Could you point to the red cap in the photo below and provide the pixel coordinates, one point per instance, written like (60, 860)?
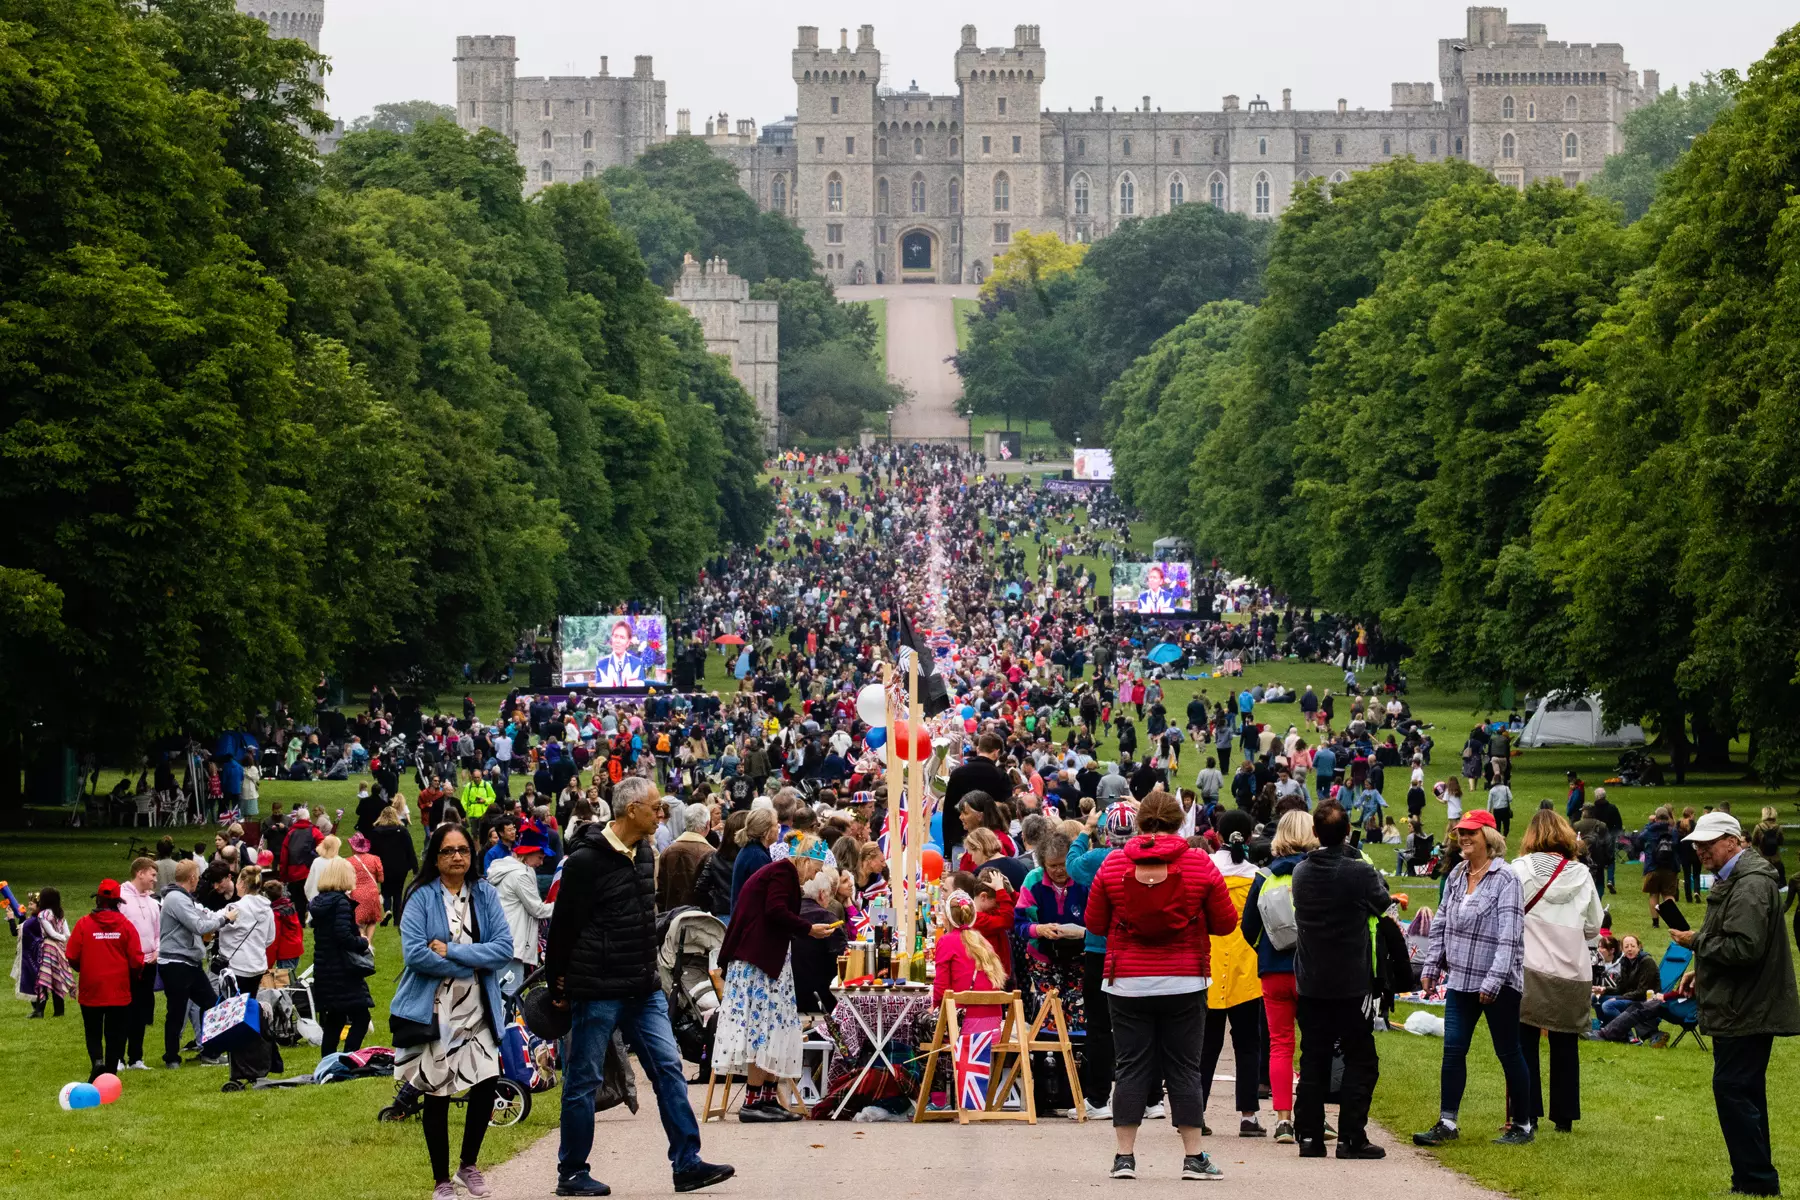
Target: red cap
(109, 890)
(1481, 818)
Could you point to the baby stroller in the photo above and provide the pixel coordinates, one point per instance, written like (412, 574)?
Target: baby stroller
(691, 938)
(527, 1065)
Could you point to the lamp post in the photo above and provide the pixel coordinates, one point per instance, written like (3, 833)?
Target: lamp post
(890, 426)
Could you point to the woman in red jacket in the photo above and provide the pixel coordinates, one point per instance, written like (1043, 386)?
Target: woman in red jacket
(1158, 904)
(104, 950)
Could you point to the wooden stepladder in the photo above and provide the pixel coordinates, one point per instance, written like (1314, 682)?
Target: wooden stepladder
(1009, 1053)
(1051, 1010)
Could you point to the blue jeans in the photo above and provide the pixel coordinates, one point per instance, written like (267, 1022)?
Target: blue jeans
(1461, 1011)
(645, 1022)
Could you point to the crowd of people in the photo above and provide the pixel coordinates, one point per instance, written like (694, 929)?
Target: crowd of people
(1168, 906)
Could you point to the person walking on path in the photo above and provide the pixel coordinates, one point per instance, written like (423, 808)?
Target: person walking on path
(1743, 986)
(600, 961)
(1294, 840)
(1563, 915)
(1478, 948)
(1158, 903)
(1337, 897)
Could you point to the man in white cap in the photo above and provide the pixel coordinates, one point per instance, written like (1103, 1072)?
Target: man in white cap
(1744, 990)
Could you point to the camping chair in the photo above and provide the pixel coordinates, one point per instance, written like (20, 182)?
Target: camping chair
(1676, 961)
(1008, 1042)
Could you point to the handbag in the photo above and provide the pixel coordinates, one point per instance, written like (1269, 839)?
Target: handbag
(404, 1032)
(1558, 990)
(361, 961)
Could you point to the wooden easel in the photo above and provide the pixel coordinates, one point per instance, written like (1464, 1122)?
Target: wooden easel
(1009, 1040)
(1052, 1010)
(723, 1085)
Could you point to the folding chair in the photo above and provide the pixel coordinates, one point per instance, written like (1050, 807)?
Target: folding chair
(1676, 961)
(1009, 1043)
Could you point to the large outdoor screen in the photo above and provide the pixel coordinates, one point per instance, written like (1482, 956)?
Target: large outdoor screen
(1095, 466)
(1153, 587)
(614, 651)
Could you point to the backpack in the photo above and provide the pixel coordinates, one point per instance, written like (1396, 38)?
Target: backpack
(1143, 908)
(1662, 853)
(1275, 904)
(662, 743)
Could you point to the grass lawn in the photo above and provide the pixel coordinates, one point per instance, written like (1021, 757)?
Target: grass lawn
(965, 309)
(1035, 435)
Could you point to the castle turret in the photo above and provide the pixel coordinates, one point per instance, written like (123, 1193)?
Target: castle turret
(834, 136)
(1002, 143)
(485, 66)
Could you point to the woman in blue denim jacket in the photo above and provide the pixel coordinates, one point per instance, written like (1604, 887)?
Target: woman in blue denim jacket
(453, 938)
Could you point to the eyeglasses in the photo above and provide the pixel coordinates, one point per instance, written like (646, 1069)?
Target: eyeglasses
(453, 852)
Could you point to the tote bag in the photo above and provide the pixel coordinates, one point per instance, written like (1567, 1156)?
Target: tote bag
(1558, 972)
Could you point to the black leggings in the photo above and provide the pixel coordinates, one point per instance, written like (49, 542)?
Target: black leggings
(333, 1020)
(1246, 1048)
(393, 899)
(107, 1026)
(436, 1119)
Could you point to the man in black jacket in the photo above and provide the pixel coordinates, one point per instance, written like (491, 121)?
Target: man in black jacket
(981, 773)
(601, 965)
(1336, 894)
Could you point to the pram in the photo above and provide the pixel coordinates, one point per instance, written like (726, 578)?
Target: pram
(527, 1065)
(690, 941)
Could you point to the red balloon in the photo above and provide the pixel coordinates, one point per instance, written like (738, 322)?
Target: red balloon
(912, 742)
(109, 1087)
(933, 864)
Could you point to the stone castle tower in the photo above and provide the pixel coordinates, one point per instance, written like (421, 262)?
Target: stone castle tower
(565, 127)
(743, 330)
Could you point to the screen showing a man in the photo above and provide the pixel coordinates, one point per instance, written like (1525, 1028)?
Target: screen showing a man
(1153, 588)
(620, 668)
(1156, 596)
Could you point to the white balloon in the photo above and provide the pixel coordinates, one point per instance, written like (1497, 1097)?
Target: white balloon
(871, 704)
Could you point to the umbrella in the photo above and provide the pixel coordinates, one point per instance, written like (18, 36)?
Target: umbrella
(1168, 652)
(730, 639)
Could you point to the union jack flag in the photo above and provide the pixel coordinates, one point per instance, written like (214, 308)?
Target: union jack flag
(974, 1061)
(883, 839)
(858, 921)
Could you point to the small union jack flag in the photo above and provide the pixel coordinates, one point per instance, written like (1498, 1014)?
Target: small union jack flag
(858, 921)
(974, 1060)
(883, 839)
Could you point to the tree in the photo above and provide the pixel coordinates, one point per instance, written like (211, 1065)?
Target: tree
(811, 315)
(829, 391)
(666, 233)
(1659, 133)
(1031, 261)
(402, 116)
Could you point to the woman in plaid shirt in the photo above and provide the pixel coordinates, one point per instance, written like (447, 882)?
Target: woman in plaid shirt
(1478, 949)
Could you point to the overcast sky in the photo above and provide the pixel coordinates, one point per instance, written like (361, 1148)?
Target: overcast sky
(735, 56)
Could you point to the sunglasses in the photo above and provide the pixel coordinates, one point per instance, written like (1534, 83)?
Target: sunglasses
(453, 852)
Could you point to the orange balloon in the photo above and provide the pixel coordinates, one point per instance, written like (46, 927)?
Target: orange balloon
(933, 864)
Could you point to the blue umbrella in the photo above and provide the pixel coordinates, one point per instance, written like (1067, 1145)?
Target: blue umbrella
(1168, 652)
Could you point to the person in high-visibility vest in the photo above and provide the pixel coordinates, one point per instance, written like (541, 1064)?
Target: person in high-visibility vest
(477, 796)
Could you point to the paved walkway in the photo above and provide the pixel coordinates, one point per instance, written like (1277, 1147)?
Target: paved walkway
(921, 336)
(1055, 1158)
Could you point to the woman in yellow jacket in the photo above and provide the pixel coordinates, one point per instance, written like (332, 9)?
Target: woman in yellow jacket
(1235, 997)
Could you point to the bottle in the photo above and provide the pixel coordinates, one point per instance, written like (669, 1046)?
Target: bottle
(884, 951)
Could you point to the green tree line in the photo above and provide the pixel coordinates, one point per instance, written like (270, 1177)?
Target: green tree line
(1541, 446)
(263, 419)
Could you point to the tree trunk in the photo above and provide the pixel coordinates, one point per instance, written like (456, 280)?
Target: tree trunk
(12, 777)
(1712, 745)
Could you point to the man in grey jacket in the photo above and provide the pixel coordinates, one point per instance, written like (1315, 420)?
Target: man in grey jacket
(181, 953)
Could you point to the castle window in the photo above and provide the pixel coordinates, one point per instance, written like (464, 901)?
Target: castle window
(1531, 110)
(1002, 193)
(1002, 106)
(1002, 232)
(834, 235)
(918, 193)
(1177, 191)
(881, 234)
(987, 144)
(955, 235)
(881, 147)
(819, 144)
(1127, 147)
(1337, 147)
(1571, 147)
(1387, 145)
(778, 193)
(1127, 196)
(1571, 108)
(1081, 195)
(1456, 146)
(1305, 146)
(834, 106)
(1433, 144)
(918, 147)
(546, 172)
(1018, 144)
(834, 192)
(587, 170)
(1177, 148)
(587, 108)
(1218, 147)
(1262, 194)
(849, 145)
(1262, 146)
(1080, 147)
(1506, 109)
(1508, 147)
(547, 139)
(546, 108)
(587, 140)
(1215, 191)
(956, 195)
(953, 145)
(881, 196)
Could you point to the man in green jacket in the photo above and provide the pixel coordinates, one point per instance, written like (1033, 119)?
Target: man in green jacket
(1744, 991)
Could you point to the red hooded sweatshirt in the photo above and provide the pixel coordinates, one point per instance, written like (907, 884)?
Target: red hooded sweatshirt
(104, 949)
(1185, 918)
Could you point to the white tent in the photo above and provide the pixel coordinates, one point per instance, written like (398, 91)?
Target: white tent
(1575, 721)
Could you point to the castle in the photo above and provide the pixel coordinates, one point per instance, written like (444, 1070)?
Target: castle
(895, 186)
(745, 331)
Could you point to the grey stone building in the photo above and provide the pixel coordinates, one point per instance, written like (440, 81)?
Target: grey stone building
(745, 331)
(899, 185)
(566, 127)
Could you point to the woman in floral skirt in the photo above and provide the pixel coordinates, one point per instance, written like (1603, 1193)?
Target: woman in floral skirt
(759, 1023)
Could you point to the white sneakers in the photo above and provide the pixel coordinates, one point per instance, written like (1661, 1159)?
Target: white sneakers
(1095, 1112)
(1156, 1112)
